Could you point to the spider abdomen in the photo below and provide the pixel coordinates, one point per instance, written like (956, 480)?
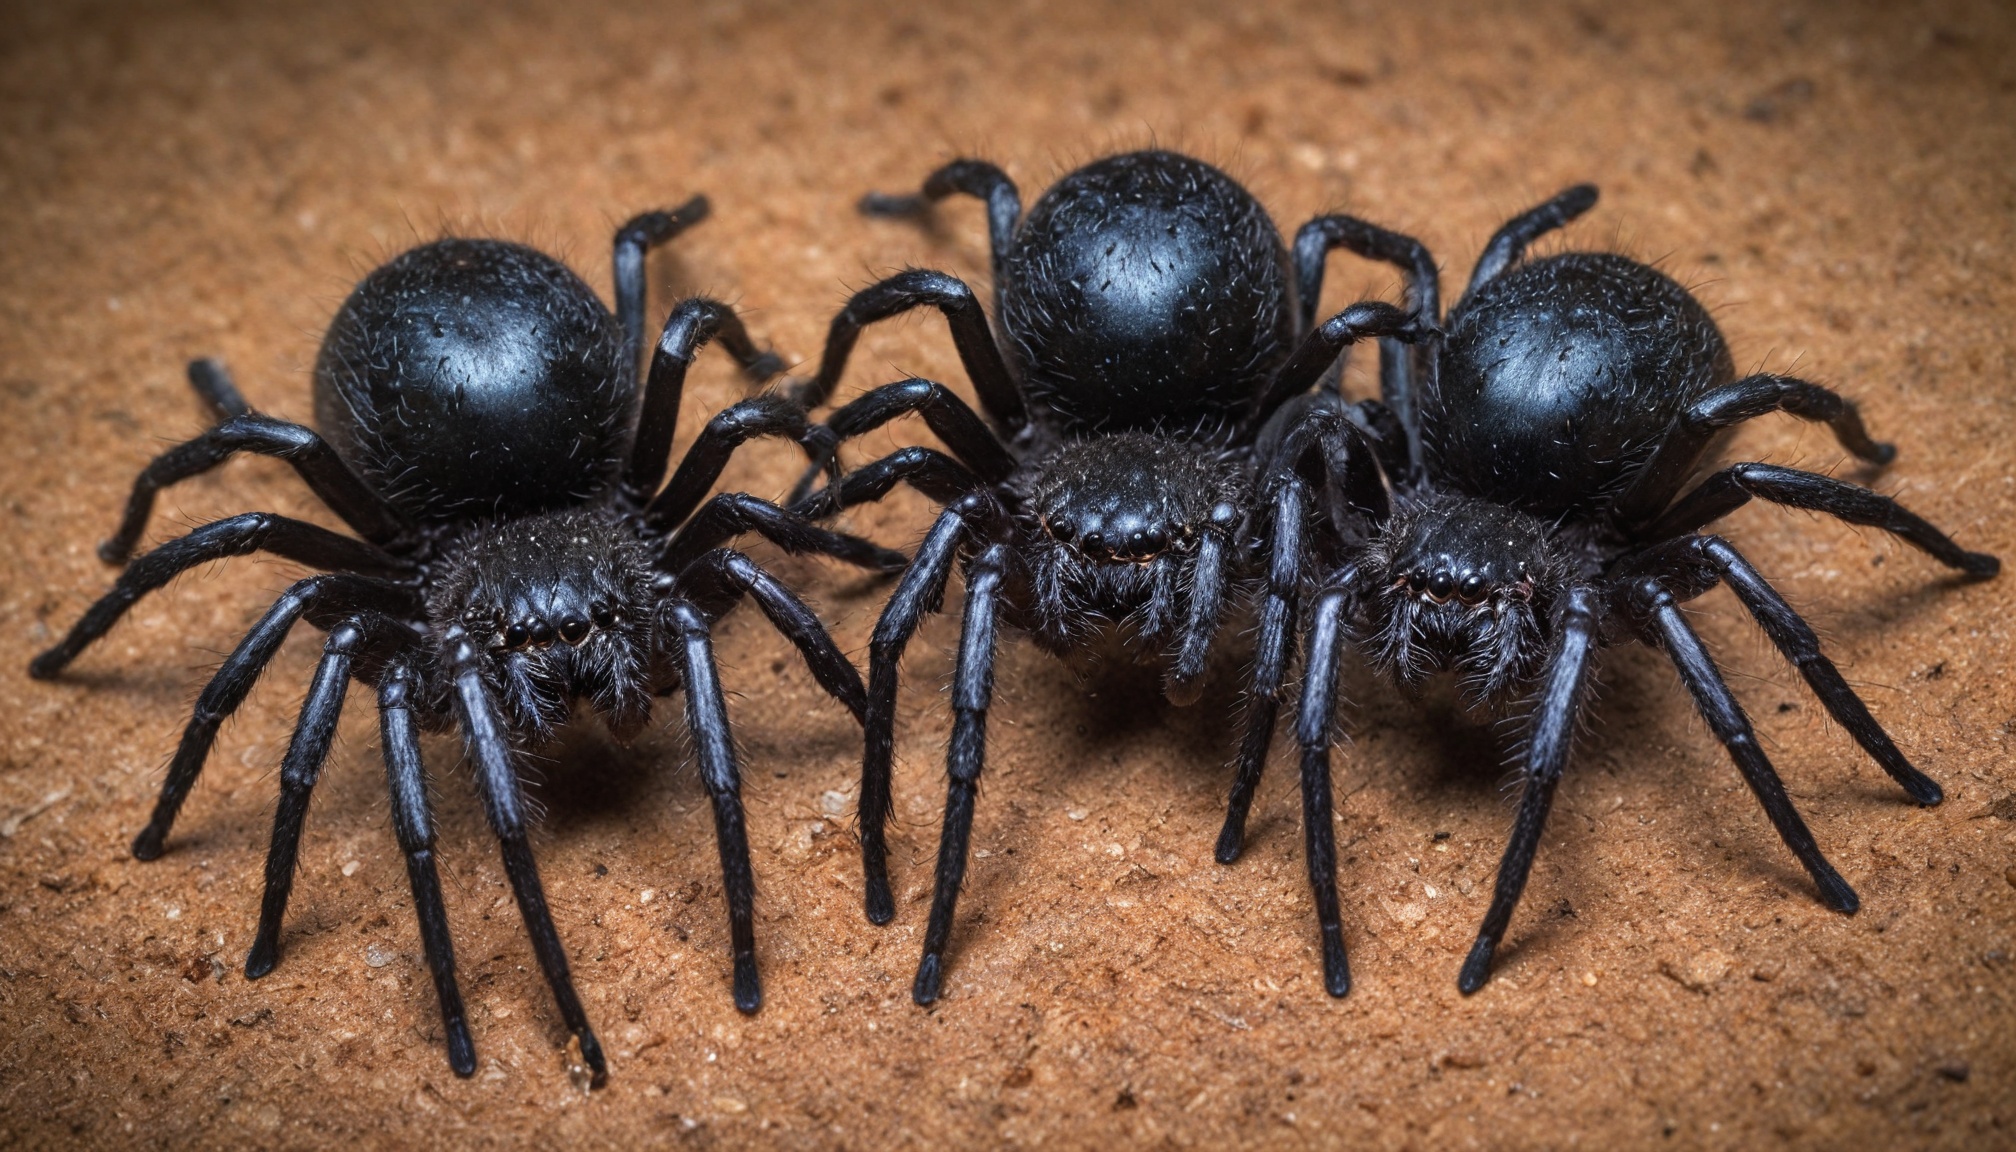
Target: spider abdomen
(471, 377)
(1560, 376)
(1147, 290)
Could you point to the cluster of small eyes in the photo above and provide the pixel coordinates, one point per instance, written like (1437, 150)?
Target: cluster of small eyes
(1142, 544)
(538, 632)
(1441, 585)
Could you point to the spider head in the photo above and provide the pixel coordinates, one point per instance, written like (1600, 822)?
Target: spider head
(1463, 586)
(561, 606)
(1119, 518)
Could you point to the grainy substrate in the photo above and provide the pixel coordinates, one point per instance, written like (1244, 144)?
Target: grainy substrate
(209, 179)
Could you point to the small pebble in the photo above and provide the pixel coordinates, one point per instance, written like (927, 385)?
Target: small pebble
(350, 868)
(378, 955)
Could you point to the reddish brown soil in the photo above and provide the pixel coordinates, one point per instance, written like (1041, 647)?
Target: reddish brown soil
(200, 180)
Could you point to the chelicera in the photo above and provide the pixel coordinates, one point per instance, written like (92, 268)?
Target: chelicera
(1151, 452)
(1541, 509)
(483, 432)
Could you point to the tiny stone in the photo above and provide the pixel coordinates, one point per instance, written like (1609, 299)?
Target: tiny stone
(1955, 1070)
(378, 955)
(350, 867)
(1080, 814)
(730, 1105)
(174, 913)
(645, 896)
(1589, 979)
(832, 803)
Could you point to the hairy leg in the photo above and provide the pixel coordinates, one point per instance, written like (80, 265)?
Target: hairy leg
(1549, 738)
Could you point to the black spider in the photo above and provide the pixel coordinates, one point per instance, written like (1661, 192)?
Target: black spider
(1539, 514)
(487, 439)
(1153, 452)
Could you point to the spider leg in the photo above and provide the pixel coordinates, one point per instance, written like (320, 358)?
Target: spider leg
(212, 384)
(931, 472)
(692, 324)
(1313, 727)
(1509, 243)
(1725, 407)
(295, 540)
(730, 428)
(1387, 437)
(1320, 349)
(732, 514)
(721, 577)
(1184, 683)
(1550, 736)
(921, 591)
(315, 597)
(1795, 640)
(301, 767)
(1403, 371)
(414, 825)
(957, 425)
(504, 799)
(1731, 488)
(975, 178)
(1662, 624)
(1270, 659)
(327, 476)
(920, 288)
(633, 242)
(972, 690)
(1321, 446)
(713, 744)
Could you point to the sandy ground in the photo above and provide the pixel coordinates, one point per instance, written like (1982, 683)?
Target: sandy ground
(1837, 181)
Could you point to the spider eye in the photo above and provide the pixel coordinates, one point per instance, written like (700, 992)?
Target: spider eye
(516, 635)
(573, 630)
(605, 616)
(1440, 585)
(1472, 590)
(1416, 582)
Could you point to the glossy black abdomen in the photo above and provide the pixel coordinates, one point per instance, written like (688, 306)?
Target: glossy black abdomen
(471, 377)
(1146, 291)
(1561, 375)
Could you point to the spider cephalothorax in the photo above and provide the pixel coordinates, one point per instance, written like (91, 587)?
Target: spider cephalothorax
(1537, 463)
(487, 437)
(562, 607)
(1154, 452)
(1122, 520)
(1462, 585)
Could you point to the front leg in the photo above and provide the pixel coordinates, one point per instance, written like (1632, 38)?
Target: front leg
(1270, 658)
(1314, 723)
(972, 690)
(1550, 735)
(920, 592)
(722, 577)
(733, 513)
(714, 747)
